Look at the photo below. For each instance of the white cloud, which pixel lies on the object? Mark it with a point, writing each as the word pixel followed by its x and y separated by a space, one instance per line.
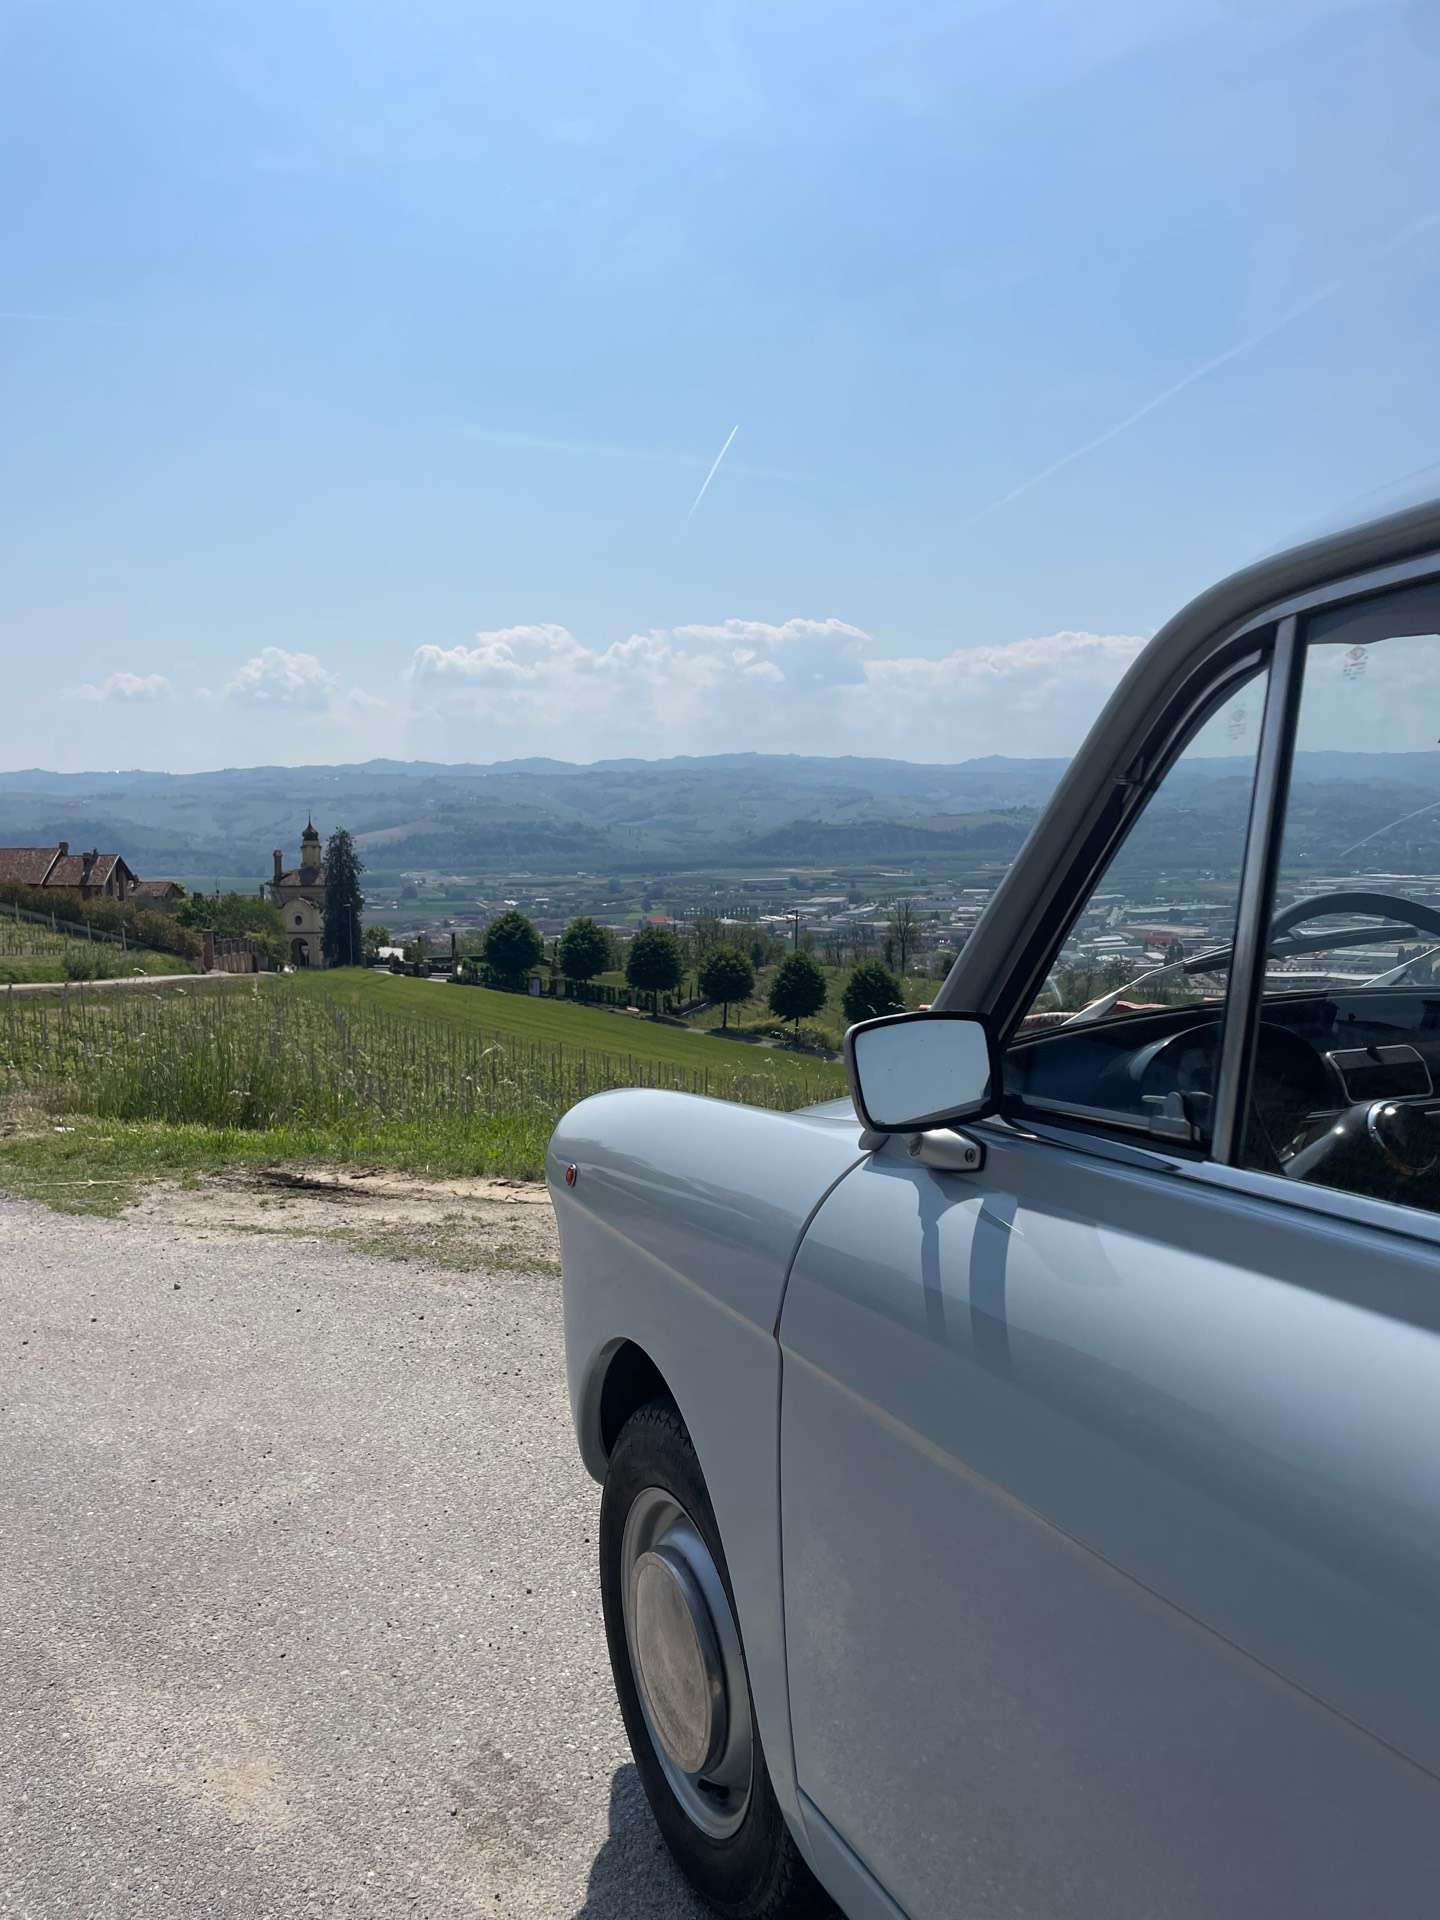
pixel 799 685
pixel 507 657
pixel 817 685
pixel 1020 676
pixel 122 686
pixel 275 677
pixel 801 653
pixel 1020 697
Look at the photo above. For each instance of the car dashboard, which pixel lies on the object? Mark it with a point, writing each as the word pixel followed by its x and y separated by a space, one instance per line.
pixel 1346 1088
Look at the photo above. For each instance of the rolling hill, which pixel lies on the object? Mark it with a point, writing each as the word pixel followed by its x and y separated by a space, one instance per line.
pixel 630 816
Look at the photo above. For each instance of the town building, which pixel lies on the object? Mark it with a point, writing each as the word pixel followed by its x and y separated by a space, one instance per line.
pixel 68 876
pixel 299 893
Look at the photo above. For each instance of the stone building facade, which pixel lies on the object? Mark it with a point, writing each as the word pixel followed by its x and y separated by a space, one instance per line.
pixel 299 892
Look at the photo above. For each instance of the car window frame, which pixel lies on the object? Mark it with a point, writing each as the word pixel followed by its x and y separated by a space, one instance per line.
pixel 1246 657
pixel 1274 638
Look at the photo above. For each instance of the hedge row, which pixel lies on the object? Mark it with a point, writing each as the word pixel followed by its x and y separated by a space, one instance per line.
pixel 141 925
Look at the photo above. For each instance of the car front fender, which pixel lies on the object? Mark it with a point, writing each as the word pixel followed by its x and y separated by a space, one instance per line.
pixel 677 1237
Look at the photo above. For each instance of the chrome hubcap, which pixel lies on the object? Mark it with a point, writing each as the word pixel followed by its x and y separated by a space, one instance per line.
pixel 689 1670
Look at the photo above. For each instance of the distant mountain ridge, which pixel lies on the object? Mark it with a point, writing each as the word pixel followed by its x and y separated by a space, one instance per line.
pixel 707 810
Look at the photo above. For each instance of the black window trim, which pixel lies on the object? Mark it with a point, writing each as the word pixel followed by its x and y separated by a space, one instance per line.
pixel 1134 784
pixel 1242 659
pixel 1273 639
pixel 1269 798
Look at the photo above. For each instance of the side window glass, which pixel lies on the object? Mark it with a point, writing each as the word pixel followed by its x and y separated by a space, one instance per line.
pixel 1126 1029
pixel 1346 1085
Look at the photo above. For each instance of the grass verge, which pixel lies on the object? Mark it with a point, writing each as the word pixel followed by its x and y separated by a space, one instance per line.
pixel 82 1164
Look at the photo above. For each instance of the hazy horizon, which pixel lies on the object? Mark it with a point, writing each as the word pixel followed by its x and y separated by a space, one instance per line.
pixel 541 762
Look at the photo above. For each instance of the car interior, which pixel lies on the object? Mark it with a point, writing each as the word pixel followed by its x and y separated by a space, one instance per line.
pixel 1345 1087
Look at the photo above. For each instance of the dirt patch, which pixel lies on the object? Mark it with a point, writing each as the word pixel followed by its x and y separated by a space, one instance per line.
pixel 207 1751
pixel 458 1225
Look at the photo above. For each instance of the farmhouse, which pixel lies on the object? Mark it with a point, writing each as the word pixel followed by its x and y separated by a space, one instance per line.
pixel 164 896
pixel 299 892
pixel 66 875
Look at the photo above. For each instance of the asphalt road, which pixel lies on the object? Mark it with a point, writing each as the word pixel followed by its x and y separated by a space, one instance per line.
pixel 297 1602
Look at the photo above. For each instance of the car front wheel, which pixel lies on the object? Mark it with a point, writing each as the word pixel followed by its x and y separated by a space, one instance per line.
pixel 680 1674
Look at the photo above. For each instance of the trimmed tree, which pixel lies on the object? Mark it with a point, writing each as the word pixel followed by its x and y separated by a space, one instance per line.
pixel 584 950
pixel 377 935
pixel 870 991
pixel 511 948
pixel 726 976
pixel 798 989
pixel 655 963
pixel 343 941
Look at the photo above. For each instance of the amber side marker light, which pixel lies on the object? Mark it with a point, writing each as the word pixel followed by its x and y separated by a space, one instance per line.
pixel 572 1174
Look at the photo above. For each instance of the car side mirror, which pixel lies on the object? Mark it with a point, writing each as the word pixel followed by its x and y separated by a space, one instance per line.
pixel 910 1071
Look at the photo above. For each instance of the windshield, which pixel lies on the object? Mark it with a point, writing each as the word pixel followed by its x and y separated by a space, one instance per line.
pixel 1362 942
pixel 1157 986
pixel 1357 899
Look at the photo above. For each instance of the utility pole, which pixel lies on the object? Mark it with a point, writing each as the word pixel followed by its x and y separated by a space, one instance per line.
pixel 795 940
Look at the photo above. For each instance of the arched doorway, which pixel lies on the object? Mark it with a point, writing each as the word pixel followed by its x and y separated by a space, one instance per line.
pixel 299 953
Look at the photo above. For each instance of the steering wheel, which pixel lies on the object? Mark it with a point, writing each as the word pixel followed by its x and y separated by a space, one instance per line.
pixel 1389 906
pixel 1376 1146
pixel 1289 1081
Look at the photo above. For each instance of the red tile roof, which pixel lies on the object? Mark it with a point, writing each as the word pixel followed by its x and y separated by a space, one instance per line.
pixel 57 867
pixel 78 869
pixel 27 866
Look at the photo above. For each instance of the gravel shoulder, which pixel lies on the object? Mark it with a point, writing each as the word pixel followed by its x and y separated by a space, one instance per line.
pixel 297 1602
pixel 445 1225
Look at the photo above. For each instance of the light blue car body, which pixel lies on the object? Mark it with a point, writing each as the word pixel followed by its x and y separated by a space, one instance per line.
pixel 1083 1512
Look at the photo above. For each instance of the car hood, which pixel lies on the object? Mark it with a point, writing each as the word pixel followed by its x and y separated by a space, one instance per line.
pixel 842 1108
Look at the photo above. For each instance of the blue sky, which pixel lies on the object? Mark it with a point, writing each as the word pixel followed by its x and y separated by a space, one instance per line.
pixel 360 363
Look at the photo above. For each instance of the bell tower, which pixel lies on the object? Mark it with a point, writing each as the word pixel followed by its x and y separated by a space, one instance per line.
pixel 310 854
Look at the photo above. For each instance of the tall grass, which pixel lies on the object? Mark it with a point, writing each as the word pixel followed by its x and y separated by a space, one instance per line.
pixel 29 951
pixel 261 1059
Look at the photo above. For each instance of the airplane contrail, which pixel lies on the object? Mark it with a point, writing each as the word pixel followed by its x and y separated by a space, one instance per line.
pixel 1207 367
pixel 704 484
pixel 1386 828
pixel 1159 400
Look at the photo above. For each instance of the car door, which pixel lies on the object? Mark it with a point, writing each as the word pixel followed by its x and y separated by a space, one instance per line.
pixel 1111 1526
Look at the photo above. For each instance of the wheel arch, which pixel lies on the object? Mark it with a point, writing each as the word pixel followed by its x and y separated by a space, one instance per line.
pixel 629 1379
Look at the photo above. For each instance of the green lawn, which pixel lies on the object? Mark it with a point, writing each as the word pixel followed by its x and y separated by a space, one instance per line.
pixel 550 1023
pixel 828 1027
pixel 829 1024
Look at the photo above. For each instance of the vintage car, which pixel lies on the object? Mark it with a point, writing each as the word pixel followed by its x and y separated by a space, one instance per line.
pixel 1022 1490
